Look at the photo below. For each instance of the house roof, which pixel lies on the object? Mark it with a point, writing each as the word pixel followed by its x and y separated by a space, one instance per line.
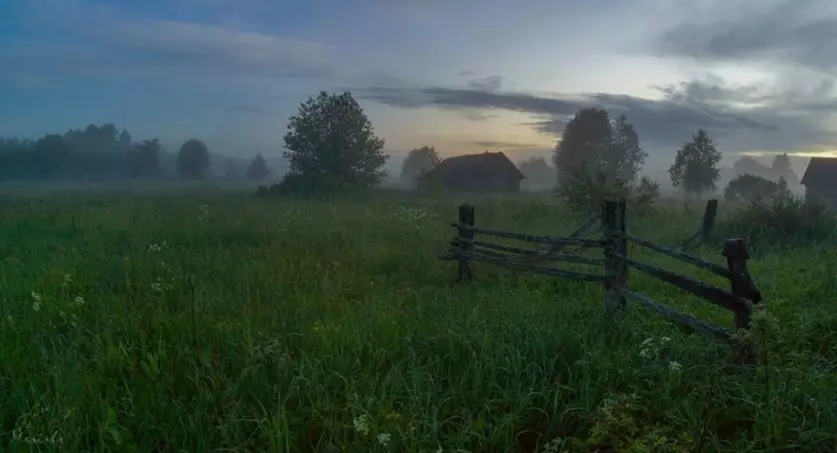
pixel 482 162
pixel 821 171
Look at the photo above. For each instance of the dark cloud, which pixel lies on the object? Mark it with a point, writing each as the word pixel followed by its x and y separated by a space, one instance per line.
pixel 489 84
pixel 502 144
pixel 740 118
pixel 787 31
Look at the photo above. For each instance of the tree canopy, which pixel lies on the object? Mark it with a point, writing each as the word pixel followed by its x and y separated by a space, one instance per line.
pixel 539 174
pixel 593 145
pixel 418 162
pixel 258 170
pixel 330 138
pixel 695 169
pixel 193 158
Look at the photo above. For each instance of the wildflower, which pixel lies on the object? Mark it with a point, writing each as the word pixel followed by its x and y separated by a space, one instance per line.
pixel 384 438
pixel 79 301
pixel 439 450
pixel 36 301
pixel 645 353
pixel 157 286
pixel 361 424
pixel 674 366
pixel 665 339
pixel 68 279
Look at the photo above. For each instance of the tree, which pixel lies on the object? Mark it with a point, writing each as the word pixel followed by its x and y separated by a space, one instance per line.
pixel 230 169
pixel 782 164
pixel 695 168
pixel 538 173
pixel 751 189
pixel 592 143
pixel 144 159
pixel 258 168
pixel 418 162
pixel 597 158
pixel 331 139
pixel 193 158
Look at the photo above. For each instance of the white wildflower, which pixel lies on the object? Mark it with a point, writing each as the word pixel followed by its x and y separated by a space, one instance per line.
pixel 68 279
pixel 361 424
pixel 439 450
pixel 645 353
pixel 79 301
pixel 36 297
pixel 384 438
pixel 157 286
pixel 674 366
pixel 665 339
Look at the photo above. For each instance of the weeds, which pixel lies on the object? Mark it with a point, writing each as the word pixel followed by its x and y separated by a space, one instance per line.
pixel 234 324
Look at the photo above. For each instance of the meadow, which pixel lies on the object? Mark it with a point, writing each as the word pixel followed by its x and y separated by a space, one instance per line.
pixel 219 322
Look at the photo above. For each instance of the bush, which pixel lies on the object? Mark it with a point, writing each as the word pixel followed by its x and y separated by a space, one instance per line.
pixel 586 191
pixel 782 219
pixel 299 185
pixel 750 188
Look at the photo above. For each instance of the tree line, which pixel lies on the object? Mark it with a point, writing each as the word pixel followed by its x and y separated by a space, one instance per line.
pixel 104 152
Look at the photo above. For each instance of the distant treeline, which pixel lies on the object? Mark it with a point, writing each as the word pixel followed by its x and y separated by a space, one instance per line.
pixel 105 152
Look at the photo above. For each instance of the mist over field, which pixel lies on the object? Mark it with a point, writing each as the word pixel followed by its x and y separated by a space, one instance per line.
pixel 540 227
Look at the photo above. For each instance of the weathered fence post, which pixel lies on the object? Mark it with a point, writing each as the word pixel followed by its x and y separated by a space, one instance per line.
pixel 616 246
pixel 735 251
pixel 466 238
pixel 708 220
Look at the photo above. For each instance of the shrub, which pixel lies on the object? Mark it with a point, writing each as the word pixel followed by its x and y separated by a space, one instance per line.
pixel 750 188
pixel 782 219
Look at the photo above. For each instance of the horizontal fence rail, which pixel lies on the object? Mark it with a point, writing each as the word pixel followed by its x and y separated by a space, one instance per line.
pixel 616 263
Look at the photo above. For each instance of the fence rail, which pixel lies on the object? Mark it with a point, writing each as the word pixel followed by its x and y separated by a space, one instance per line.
pixel 616 263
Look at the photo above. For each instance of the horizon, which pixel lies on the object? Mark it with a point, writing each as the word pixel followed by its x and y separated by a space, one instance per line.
pixel 464 77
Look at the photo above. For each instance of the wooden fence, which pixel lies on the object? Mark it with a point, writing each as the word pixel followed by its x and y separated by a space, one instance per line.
pixel 739 299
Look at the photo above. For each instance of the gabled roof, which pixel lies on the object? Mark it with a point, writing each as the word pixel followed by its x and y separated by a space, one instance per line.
pixel 821 171
pixel 483 161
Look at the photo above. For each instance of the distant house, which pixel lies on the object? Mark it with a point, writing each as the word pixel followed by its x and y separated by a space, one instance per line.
pixel 820 181
pixel 486 172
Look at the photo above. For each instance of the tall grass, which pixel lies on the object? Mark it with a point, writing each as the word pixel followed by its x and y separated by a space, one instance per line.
pixel 228 323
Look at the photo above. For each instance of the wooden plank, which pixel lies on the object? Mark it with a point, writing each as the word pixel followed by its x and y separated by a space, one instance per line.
pixel 717 296
pixel 524 255
pixel 579 276
pixel 693 260
pixel 584 242
pixel 679 316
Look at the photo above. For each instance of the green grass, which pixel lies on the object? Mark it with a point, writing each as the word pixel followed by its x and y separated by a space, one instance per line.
pixel 229 324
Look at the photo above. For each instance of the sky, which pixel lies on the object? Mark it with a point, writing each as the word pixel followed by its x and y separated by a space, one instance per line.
pixel 461 75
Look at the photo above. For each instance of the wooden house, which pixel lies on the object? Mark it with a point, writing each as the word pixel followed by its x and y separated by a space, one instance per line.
pixel 820 181
pixel 476 173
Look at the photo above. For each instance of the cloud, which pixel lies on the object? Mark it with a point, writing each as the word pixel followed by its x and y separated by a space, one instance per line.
pixel 97 40
pixel 489 84
pixel 503 144
pixel 741 118
pixel 784 32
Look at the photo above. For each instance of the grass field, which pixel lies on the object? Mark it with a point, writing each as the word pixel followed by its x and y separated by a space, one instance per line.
pixel 226 323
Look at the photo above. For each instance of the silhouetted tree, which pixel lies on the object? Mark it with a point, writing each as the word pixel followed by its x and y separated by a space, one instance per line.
pixel 695 168
pixel 592 143
pixel 418 162
pixel 750 188
pixel 145 158
pixel 193 159
pixel 258 168
pixel 231 169
pixel 597 158
pixel 330 140
pixel 538 173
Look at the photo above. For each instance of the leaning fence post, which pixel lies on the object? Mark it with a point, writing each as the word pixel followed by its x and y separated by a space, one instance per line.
pixel 615 247
pixel 735 251
pixel 466 238
pixel 708 220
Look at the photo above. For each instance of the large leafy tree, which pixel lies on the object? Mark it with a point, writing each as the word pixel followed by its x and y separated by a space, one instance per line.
pixel 695 169
pixel 193 159
pixel 418 162
pixel 258 168
pixel 597 158
pixel 144 159
pixel 538 173
pixel 330 138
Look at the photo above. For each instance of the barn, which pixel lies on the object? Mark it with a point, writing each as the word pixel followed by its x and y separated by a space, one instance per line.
pixel 820 181
pixel 484 173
